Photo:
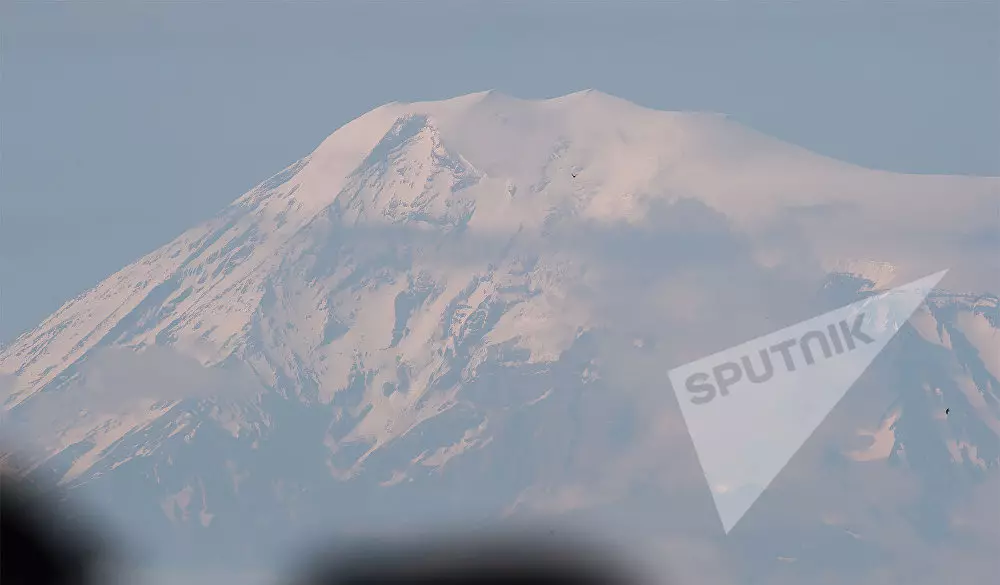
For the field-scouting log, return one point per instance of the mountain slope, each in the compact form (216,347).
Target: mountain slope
(468,306)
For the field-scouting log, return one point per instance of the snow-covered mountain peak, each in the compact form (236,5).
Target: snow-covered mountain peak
(440,278)
(500,166)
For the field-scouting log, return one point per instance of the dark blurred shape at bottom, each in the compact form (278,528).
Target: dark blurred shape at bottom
(46,541)
(42,541)
(469,558)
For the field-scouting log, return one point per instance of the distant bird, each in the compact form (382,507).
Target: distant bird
(947,410)
(574,175)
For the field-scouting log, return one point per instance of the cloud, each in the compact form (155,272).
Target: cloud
(8,383)
(124,383)
(687,277)
(160,373)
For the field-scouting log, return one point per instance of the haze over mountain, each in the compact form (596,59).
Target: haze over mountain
(466,309)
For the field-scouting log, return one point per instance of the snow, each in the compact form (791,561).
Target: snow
(984,337)
(882,441)
(440,457)
(470,185)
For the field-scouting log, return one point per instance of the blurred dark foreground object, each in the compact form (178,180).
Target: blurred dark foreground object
(470,558)
(43,541)
(46,541)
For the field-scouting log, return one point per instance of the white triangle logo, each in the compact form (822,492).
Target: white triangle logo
(751,407)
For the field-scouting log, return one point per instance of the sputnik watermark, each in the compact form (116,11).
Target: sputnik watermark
(751,407)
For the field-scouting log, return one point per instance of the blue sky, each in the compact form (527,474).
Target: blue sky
(125,123)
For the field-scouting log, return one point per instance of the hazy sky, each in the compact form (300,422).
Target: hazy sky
(124,123)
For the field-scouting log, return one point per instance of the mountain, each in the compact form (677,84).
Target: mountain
(464,310)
